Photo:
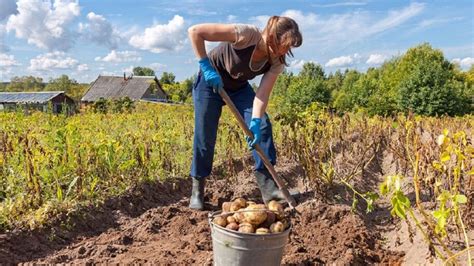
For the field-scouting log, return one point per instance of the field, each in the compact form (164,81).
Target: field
(108,188)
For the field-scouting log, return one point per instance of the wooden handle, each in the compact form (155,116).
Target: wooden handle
(259,150)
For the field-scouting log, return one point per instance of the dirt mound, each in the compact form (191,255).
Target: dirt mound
(152,224)
(332,233)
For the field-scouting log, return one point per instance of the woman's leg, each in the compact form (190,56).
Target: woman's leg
(207,111)
(243,100)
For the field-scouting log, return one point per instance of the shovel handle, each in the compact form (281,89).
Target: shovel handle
(281,185)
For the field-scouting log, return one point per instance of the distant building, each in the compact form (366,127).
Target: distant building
(58,101)
(116,87)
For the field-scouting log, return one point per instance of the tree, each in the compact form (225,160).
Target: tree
(281,85)
(143,71)
(345,98)
(312,70)
(167,78)
(68,85)
(26,83)
(429,86)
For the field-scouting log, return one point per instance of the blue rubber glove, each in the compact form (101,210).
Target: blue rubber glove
(257,135)
(211,76)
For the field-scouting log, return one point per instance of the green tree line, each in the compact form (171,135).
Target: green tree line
(421,81)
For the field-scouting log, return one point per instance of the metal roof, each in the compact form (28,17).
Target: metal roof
(28,97)
(113,87)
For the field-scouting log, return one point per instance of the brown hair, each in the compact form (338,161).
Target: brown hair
(282,32)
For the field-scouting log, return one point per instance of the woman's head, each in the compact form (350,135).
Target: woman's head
(282,34)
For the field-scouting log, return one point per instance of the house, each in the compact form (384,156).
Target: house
(38,100)
(116,87)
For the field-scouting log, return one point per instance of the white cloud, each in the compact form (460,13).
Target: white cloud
(341,4)
(465,63)
(338,31)
(297,64)
(119,57)
(231,18)
(342,61)
(259,21)
(54,61)
(8,60)
(44,24)
(8,8)
(108,73)
(128,70)
(82,67)
(3,46)
(99,31)
(210,45)
(305,22)
(376,59)
(427,23)
(396,18)
(161,38)
(157,66)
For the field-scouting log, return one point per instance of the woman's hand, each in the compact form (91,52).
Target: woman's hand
(257,135)
(211,76)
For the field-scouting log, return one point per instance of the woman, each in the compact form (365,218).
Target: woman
(244,52)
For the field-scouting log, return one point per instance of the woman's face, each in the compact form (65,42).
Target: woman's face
(282,51)
(279,50)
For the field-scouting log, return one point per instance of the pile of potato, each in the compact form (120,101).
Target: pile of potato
(249,217)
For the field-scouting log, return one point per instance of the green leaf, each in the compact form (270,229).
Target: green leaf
(461,199)
(444,197)
(71,185)
(438,214)
(372,195)
(384,188)
(445,156)
(438,166)
(446,132)
(354,203)
(399,211)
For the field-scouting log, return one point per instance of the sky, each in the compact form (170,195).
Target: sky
(84,39)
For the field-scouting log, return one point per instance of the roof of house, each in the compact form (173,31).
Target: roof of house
(113,87)
(28,97)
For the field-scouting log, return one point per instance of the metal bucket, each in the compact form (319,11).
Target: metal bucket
(236,248)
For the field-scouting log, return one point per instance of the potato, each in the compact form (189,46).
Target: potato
(262,231)
(251,203)
(256,217)
(226,206)
(239,217)
(271,218)
(280,215)
(246,228)
(233,226)
(285,222)
(241,201)
(235,206)
(219,220)
(277,227)
(231,219)
(275,206)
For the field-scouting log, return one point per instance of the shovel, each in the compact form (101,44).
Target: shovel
(281,185)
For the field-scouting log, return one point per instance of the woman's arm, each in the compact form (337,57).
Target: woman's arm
(209,32)
(263,94)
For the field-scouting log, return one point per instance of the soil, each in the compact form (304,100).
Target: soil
(152,224)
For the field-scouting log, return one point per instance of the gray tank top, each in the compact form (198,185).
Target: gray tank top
(233,60)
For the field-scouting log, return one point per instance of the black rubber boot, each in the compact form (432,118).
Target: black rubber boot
(197,195)
(269,188)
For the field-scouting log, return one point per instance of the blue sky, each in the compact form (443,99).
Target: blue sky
(86,38)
